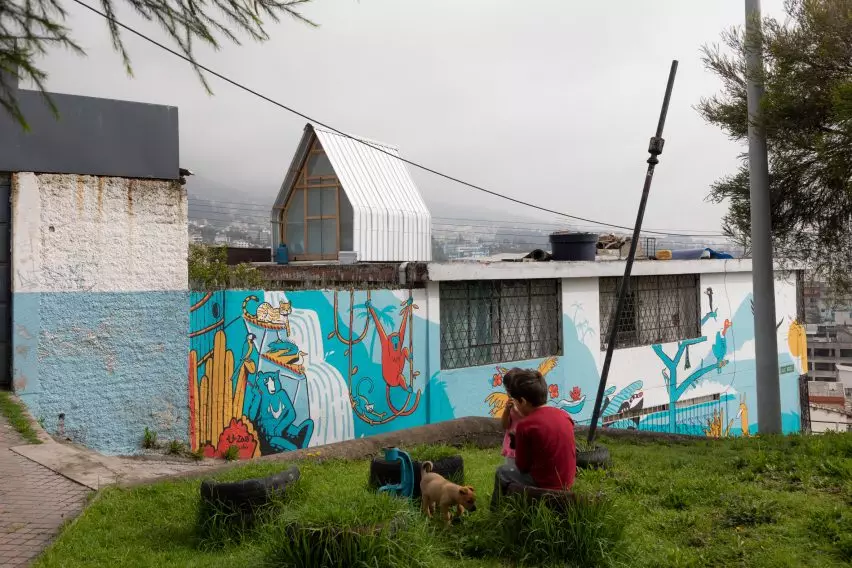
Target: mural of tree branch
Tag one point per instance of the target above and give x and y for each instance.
(395, 357)
(670, 373)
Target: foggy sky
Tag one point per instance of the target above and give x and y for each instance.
(548, 101)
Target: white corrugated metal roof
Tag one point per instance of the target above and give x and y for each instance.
(391, 220)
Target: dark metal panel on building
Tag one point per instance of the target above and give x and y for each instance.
(5, 281)
(237, 255)
(92, 136)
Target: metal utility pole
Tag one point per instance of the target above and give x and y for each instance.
(763, 277)
(655, 148)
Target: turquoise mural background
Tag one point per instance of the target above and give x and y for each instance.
(275, 371)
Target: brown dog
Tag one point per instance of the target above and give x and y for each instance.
(437, 491)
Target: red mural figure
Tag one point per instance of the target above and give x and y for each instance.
(394, 355)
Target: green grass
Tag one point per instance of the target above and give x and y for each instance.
(14, 412)
(757, 502)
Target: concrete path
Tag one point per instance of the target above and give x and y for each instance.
(34, 502)
(96, 471)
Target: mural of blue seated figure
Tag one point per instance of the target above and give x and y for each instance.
(269, 407)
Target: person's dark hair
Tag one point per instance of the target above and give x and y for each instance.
(527, 384)
(507, 381)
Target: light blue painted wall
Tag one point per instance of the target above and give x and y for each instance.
(113, 363)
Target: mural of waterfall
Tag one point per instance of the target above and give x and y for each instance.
(328, 394)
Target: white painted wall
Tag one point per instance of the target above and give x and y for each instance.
(98, 234)
(100, 320)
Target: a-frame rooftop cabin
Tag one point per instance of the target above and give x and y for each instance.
(350, 194)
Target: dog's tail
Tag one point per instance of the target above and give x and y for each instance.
(426, 467)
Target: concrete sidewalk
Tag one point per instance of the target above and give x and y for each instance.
(96, 471)
(34, 502)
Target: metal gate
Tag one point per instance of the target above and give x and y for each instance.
(5, 281)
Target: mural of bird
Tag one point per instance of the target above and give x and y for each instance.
(720, 347)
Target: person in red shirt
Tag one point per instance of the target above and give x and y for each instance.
(545, 451)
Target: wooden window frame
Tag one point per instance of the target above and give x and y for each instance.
(303, 183)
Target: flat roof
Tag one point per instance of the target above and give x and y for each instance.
(498, 270)
(417, 273)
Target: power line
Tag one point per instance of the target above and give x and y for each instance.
(333, 129)
(437, 222)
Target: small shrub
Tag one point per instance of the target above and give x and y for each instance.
(149, 439)
(677, 499)
(368, 530)
(175, 448)
(197, 455)
(432, 453)
(232, 453)
(533, 534)
(746, 511)
(835, 527)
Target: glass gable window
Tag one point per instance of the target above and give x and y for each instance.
(317, 221)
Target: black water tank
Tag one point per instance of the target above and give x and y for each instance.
(569, 245)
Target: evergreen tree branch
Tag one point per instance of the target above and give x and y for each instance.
(29, 28)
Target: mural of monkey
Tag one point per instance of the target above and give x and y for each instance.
(394, 355)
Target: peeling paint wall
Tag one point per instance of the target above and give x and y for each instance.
(99, 306)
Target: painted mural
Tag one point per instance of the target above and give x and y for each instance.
(272, 372)
(701, 386)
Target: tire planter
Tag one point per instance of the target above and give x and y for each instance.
(244, 498)
(383, 472)
(559, 501)
(594, 458)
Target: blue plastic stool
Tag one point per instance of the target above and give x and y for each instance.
(405, 487)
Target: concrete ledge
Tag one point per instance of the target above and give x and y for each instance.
(473, 431)
(329, 275)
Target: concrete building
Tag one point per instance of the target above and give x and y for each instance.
(828, 346)
(830, 419)
(96, 228)
(345, 351)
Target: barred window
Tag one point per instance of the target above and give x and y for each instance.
(657, 309)
(497, 321)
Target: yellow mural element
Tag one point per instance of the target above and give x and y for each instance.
(497, 400)
(743, 416)
(797, 341)
(215, 404)
(715, 427)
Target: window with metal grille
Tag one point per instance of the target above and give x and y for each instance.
(657, 309)
(498, 321)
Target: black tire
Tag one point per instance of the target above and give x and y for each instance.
(559, 501)
(244, 497)
(383, 472)
(594, 458)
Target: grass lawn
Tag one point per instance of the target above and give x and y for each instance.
(14, 412)
(746, 502)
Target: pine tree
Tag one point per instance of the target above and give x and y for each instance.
(29, 28)
(808, 122)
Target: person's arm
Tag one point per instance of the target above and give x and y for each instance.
(523, 457)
